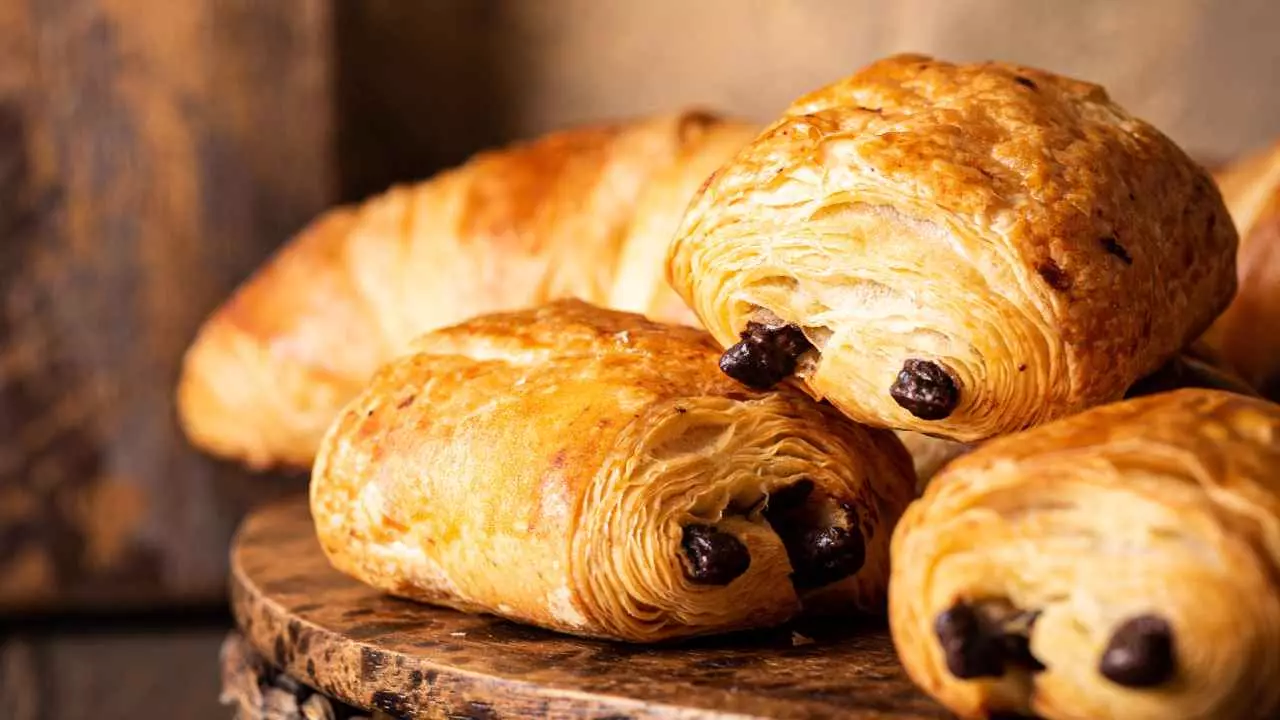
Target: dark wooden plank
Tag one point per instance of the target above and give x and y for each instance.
(108, 674)
(151, 154)
(376, 652)
(259, 691)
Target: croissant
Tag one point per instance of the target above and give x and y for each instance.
(1247, 334)
(512, 228)
(1121, 563)
(958, 250)
(589, 471)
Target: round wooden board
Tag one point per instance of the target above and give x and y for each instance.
(416, 661)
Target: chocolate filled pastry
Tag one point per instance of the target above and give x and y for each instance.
(1121, 563)
(958, 250)
(585, 212)
(1247, 334)
(592, 472)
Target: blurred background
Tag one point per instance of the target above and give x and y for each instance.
(152, 154)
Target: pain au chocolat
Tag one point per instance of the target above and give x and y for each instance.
(592, 472)
(1123, 563)
(962, 250)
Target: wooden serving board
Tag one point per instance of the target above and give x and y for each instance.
(410, 660)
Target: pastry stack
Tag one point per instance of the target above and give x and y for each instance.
(955, 341)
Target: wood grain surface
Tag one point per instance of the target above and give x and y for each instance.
(416, 661)
(151, 154)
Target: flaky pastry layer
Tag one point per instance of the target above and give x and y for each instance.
(1024, 240)
(592, 472)
(1135, 551)
(571, 214)
(1247, 334)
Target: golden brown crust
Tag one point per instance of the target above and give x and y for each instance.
(1016, 227)
(542, 464)
(640, 284)
(509, 229)
(1167, 505)
(1247, 334)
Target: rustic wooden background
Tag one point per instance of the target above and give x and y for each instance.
(152, 154)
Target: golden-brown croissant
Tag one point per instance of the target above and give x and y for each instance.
(1122, 563)
(592, 472)
(509, 229)
(960, 250)
(1247, 334)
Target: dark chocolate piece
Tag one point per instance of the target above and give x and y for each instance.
(969, 651)
(765, 356)
(925, 389)
(983, 640)
(826, 555)
(1140, 653)
(1017, 651)
(715, 557)
(1025, 81)
(789, 497)
(821, 551)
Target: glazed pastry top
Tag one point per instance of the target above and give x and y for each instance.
(1122, 563)
(1015, 228)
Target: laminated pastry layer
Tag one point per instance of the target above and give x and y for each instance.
(1245, 335)
(1122, 563)
(591, 472)
(511, 228)
(958, 250)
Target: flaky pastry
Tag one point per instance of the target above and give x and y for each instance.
(1247, 334)
(1122, 563)
(571, 214)
(592, 472)
(961, 250)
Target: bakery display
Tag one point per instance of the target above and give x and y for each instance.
(963, 250)
(972, 322)
(511, 228)
(1121, 563)
(1247, 335)
(592, 472)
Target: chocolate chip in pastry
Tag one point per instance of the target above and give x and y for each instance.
(591, 472)
(970, 249)
(1140, 653)
(1120, 563)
